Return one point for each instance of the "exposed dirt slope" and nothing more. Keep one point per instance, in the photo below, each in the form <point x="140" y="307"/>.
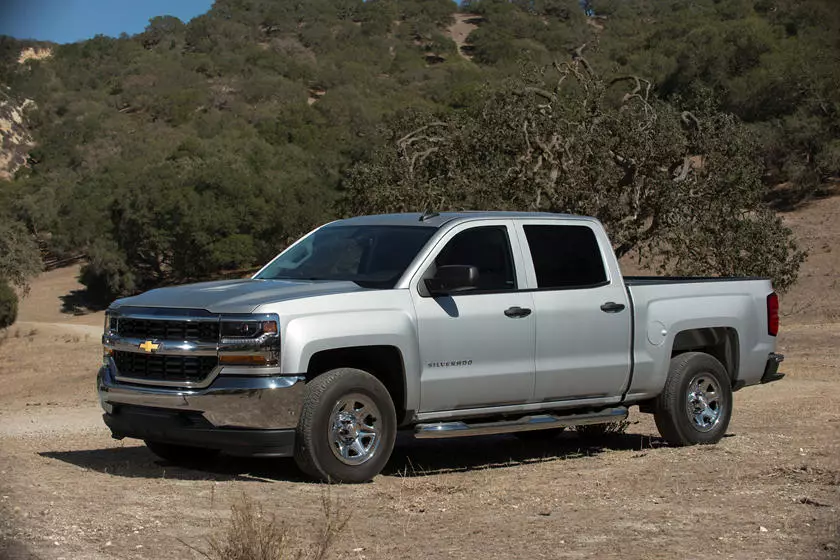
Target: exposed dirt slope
<point x="55" y="297"/>
<point x="460" y="30"/>
<point x="816" y="296"/>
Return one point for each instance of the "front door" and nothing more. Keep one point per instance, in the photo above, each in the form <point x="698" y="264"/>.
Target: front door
<point x="473" y="353"/>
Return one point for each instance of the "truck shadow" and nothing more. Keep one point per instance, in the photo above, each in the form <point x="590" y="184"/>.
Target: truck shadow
<point x="411" y="458"/>
<point x="138" y="462"/>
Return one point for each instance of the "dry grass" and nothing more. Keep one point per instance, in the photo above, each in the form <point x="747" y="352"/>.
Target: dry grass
<point x="601" y="430"/>
<point x="252" y="534"/>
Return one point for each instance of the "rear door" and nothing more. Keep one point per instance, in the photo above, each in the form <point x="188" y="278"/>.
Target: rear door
<point x="477" y="347"/>
<point x="583" y="319"/>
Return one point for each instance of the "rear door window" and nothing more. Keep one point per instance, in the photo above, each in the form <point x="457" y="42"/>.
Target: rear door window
<point x="565" y="256"/>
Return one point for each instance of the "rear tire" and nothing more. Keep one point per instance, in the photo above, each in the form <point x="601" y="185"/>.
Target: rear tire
<point x="696" y="404"/>
<point x="182" y="454"/>
<point x="347" y="427"/>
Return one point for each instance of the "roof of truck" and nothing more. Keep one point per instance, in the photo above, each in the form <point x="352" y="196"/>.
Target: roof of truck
<point x="435" y="219"/>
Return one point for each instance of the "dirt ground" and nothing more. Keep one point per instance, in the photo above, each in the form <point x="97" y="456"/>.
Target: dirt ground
<point x="770" y="489"/>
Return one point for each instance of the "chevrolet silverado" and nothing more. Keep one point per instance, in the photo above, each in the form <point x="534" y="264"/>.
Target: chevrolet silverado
<point x="449" y="324"/>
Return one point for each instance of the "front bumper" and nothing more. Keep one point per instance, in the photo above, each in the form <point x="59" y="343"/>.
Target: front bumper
<point x="236" y="414"/>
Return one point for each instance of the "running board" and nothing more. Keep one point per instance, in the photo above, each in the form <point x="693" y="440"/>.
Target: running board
<point x="522" y="424"/>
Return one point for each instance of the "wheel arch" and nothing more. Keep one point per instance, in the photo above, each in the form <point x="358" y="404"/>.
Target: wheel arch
<point x="719" y="342"/>
<point x="385" y="362"/>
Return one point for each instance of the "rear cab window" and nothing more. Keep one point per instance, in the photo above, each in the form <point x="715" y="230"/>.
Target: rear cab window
<point x="565" y="256"/>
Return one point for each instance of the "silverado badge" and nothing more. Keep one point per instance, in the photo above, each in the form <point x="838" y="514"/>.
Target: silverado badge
<point x="149" y="346"/>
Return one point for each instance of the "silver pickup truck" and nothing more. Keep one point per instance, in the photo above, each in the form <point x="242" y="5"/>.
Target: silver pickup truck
<point x="450" y="324"/>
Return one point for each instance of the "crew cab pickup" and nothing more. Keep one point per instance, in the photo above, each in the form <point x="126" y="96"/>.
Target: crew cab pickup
<point x="450" y="324"/>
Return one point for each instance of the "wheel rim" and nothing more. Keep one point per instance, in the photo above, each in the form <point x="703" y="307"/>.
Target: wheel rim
<point x="355" y="425"/>
<point x="704" y="402"/>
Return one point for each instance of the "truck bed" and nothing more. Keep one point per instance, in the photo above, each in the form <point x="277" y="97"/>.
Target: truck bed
<point x="651" y="280"/>
<point x="674" y="313"/>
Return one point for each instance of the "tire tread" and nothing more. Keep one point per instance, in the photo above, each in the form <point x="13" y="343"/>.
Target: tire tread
<point x="306" y="455"/>
<point x="668" y="413"/>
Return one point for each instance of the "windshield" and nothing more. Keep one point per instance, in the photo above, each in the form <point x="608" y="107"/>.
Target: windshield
<point x="371" y="256"/>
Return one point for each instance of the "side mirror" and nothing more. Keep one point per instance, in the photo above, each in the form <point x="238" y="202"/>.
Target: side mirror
<point x="451" y="279"/>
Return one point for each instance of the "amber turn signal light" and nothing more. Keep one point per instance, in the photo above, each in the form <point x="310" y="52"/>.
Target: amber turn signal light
<point x="243" y="360"/>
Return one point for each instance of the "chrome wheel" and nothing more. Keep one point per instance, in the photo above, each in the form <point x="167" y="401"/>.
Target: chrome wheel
<point x="354" y="429"/>
<point x="704" y="402"/>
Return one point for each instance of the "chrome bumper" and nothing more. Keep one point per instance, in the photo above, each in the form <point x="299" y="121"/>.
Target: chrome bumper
<point x="265" y="403"/>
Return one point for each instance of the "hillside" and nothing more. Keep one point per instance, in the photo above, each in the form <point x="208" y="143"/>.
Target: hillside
<point x="195" y="148"/>
<point x="816" y="296"/>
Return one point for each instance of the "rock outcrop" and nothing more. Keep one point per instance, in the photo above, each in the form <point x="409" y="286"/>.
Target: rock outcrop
<point x="34" y="53"/>
<point x="15" y="139"/>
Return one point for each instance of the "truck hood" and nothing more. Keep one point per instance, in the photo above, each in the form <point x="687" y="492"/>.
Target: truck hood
<point x="235" y="296"/>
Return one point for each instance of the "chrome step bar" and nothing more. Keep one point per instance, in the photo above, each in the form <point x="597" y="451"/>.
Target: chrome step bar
<point x="522" y="424"/>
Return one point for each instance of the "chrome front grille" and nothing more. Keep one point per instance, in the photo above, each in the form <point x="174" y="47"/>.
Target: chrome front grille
<point x="156" y="367"/>
<point x="182" y="347"/>
<point x="199" y="331"/>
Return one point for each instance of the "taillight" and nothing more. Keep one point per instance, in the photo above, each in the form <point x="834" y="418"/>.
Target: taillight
<point x="773" y="314"/>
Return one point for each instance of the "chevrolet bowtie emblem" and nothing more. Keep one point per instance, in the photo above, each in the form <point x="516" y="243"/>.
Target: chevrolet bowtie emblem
<point x="149" y="346"/>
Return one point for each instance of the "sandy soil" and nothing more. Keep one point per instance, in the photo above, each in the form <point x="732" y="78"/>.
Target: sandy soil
<point x="770" y="489"/>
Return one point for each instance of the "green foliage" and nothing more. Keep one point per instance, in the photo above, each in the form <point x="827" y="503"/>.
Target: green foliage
<point x="681" y="189"/>
<point x="197" y="147"/>
<point x="107" y="274"/>
<point x="20" y="258"/>
<point x="8" y="305"/>
<point x="538" y="31"/>
<point x="773" y="63"/>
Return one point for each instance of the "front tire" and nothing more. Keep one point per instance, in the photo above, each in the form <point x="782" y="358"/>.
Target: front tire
<point x="347" y="427"/>
<point x="696" y="404"/>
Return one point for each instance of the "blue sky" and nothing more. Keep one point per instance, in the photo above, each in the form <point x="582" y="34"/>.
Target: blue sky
<point x="67" y="21"/>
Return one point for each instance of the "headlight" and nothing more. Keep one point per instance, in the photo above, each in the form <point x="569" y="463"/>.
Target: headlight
<point x="247" y="329"/>
<point x="249" y="341"/>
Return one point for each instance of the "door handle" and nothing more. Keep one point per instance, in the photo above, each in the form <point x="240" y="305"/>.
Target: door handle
<point x="517" y="312"/>
<point x="612" y="307"/>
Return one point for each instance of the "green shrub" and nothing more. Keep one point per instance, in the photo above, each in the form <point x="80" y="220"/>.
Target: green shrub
<point x="8" y="305"/>
<point x="106" y="275"/>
